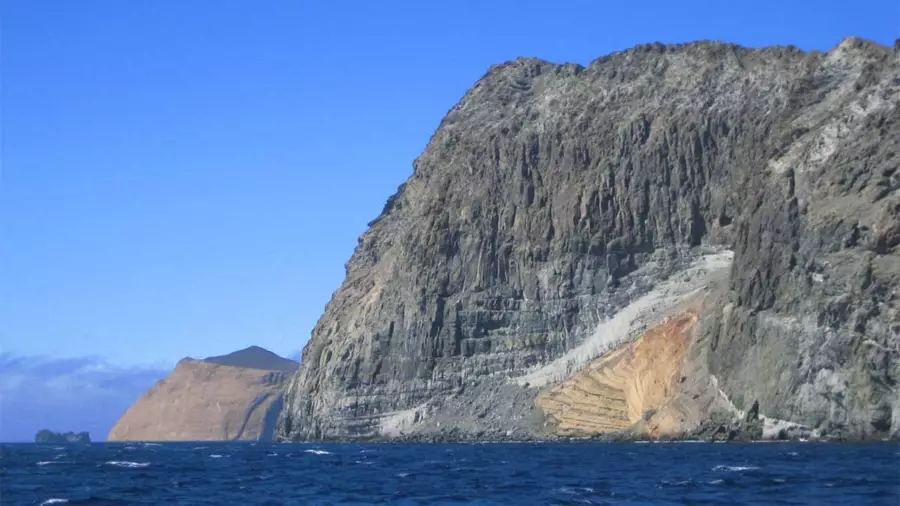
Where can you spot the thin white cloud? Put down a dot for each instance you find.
(82, 393)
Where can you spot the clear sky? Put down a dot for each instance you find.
(190, 177)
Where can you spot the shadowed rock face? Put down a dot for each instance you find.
(559, 211)
(235, 397)
(254, 357)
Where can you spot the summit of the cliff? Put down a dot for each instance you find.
(254, 357)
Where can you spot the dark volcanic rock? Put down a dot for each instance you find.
(45, 436)
(254, 357)
(560, 209)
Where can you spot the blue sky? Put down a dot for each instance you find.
(190, 177)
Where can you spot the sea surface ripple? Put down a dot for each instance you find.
(564, 474)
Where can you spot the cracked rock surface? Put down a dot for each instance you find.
(559, 211)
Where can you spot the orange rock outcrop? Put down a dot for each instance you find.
(625, 386)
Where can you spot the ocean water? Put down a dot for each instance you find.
(518, 474)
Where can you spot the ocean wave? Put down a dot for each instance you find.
(576, 490)
(317, 452)
(48, 462)
(152, 444)
(680, 483)
(217, 456)
(735, 468)
(127, 463)
(55, 500)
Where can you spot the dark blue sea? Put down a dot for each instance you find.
(518, 474)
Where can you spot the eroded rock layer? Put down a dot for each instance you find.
(625, 386)
(560, 210)
(208, 401)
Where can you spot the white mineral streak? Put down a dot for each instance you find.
(626, 325)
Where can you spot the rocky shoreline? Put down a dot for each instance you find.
(450, 438)
(719, 429)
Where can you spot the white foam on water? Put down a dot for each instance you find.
(681, 483)
(716, 482)
(55, 500)
(50, 462)
(364, 462)
(317, 452)
(734, 468)
(200, 447)
(401, 475)
(217, 456)
(273, 454)
(128, 464)
(152, 444)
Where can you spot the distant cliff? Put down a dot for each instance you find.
(559, 212)
(49, 437)
(234, 397)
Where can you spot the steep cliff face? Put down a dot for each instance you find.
(811, 325)
(235, 397)
(559, 211)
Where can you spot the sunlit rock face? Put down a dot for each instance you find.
(560, 211)
(235, 397)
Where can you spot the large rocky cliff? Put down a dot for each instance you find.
(560, 211)
(234, 397)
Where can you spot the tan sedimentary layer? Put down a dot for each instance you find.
(203, 401)
(623, 386)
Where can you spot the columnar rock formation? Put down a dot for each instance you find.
(559, 211)
(235, 397)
